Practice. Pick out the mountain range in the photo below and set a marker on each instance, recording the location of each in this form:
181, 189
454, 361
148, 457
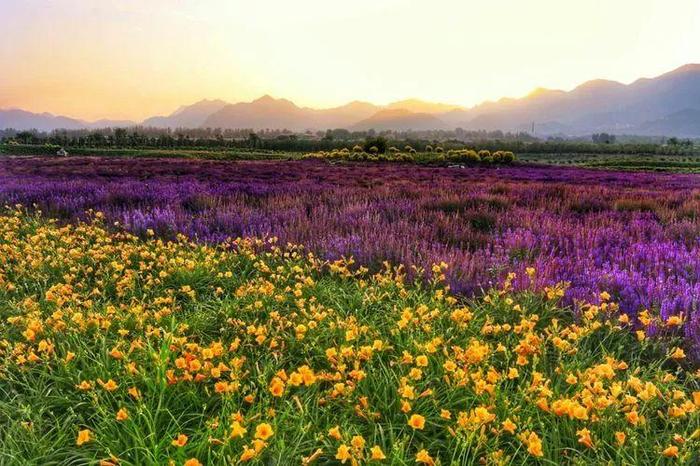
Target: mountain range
23, 120
668, 104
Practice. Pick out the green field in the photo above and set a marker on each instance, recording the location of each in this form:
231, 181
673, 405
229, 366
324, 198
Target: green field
192, 153
685, 163
647, 162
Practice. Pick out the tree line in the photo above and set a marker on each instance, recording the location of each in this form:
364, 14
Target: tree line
285, 140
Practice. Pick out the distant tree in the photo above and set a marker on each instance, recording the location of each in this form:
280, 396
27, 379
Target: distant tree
253, 140
120, 136
379, 142
25, 137
340, 133
603, 138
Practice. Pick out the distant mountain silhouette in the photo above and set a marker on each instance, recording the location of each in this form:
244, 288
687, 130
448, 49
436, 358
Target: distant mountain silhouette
23, 120
666, 105
345, 115
268, 112
421, 106
265, 112
593, 106
685, 123
190, 116
401, 120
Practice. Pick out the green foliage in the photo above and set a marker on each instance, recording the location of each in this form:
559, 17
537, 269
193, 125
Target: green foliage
462, 156
379, 144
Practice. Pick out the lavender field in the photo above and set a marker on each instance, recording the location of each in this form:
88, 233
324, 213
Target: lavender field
635, 235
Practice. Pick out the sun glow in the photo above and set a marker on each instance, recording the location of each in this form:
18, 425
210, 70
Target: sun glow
130, 59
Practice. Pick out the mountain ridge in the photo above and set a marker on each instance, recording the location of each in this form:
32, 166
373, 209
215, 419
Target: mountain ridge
669, 102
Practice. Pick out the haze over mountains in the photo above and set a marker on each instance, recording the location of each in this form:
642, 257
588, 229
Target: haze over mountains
187, 116
666, 105
21, 120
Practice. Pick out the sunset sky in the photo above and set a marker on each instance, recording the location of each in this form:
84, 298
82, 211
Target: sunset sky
136, 58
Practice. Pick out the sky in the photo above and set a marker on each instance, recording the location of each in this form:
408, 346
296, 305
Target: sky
132, 59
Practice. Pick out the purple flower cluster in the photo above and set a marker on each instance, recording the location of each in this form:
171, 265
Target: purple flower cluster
635, 235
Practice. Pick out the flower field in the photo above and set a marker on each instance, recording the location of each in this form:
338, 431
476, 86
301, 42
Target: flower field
117, 349
633, 235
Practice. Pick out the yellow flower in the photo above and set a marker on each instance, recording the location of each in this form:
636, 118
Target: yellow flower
222, 386
678, 353
416, 421
122, 415
674, 321
109, 385
424, 457
670, 452
180, 441
237, 430
633, 417
407, 392
357, 442
334, 432
295, 379
620, 437
343, 453
377, 453
534, 444
116, 354
84, 436
263, 431
248, 453
84, 385
259, 445
509, 426
277, 387
112, 461
192, 462
481, 415
584, 437
449, 366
